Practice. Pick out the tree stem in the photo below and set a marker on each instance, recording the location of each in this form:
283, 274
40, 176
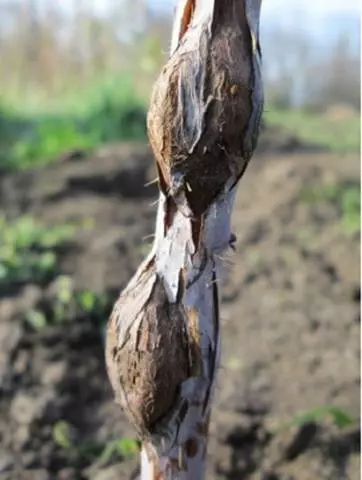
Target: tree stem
163, 346
180, 453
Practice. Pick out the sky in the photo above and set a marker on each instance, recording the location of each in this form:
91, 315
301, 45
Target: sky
310, 16
318, 18
272, 7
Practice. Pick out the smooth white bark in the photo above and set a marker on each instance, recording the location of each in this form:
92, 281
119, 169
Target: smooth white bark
180, 453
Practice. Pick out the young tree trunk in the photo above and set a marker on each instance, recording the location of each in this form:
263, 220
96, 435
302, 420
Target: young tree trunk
163, 338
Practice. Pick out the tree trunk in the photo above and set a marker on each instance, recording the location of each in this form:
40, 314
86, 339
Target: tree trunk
163, 340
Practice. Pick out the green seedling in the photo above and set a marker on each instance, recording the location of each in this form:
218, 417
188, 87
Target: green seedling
27, 249
340, 417
36, 320
69, 304
347, 198
351, 208
62, 435
124, 448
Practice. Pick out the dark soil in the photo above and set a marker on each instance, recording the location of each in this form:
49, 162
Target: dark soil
290, 320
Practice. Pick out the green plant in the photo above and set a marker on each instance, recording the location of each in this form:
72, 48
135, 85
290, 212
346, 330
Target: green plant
351, 208
345, 195
36, 319
340, 134
340, 417
47, 141
106, 111
320, 193
62, 435
68, 304
27, 249
122, 448
115, 112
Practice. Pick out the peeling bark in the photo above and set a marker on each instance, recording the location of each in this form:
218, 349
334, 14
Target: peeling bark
163, 339
205, 108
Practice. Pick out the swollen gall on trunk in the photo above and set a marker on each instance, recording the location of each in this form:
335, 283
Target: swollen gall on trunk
205, 108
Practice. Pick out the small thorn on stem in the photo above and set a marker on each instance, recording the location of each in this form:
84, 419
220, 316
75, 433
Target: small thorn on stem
148, 184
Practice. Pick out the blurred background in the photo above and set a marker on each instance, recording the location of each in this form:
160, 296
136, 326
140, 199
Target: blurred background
76, 219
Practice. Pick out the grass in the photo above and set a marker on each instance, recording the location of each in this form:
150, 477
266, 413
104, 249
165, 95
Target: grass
106, 112
336, 134
27, 249
35, 130
347, 198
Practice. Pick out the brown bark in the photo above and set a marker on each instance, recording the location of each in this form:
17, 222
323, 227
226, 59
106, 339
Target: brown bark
201, 106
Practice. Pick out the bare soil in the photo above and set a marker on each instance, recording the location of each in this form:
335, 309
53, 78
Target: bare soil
290, 313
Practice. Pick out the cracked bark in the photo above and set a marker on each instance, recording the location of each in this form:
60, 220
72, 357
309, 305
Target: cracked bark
163, 338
